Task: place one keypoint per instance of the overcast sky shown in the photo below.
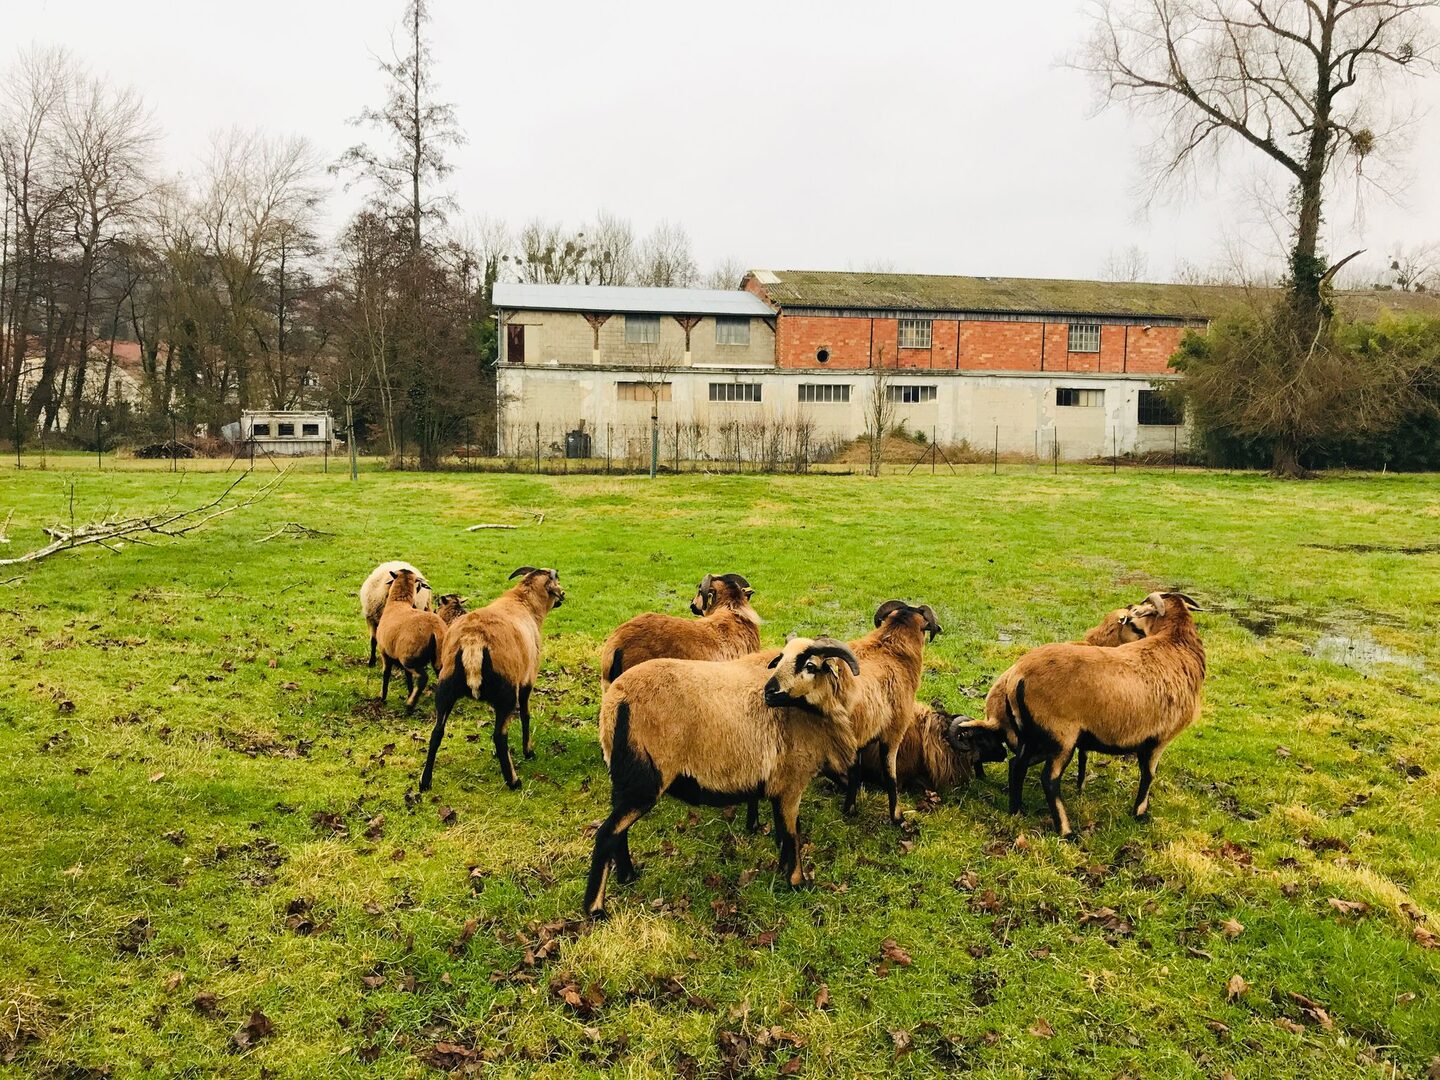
(934, 137)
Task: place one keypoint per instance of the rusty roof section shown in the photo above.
(860, 290)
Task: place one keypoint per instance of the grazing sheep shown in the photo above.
(373, 592)
(716, 733)
(728, 628)
(1116, 628)
(1132, 699)
(890, 659)
(937, 752)
(450, 607)
(408, 639)
(493, 655)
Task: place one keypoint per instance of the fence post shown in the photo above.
(677, 447)
(537, 446)
(1055, 452)
(99, 448)
(401, 453)
(326, 444)
(997, 450)
(252, 445)
(607, 449)
(1175, 450)
(1114, 451)
(174, 440)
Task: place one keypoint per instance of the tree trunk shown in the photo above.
(1285, 461)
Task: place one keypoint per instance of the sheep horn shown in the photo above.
(830, 647)
(885, 609)
(705, 582)
(1186, 600)
(932, 624)
(523, 570)
(1157, 601)
(736, 579)
(952, 732)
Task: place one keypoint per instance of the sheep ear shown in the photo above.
(749, 593)
(776, 662)
(522, 570)
(791, 636)
(393, 574)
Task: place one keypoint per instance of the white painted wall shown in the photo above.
(974, 406)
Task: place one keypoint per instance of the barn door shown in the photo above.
(515, 343)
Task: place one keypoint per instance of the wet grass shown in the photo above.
(208, 816)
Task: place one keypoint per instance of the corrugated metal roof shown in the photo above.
(933, 292)
(624, 298)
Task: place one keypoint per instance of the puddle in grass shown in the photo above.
(1359, 651)
(1372, 549)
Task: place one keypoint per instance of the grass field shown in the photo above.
(213, 862)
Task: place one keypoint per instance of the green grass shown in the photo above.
(195, 772)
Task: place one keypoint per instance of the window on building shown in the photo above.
(1085, 337)
(639, 391)
(734, 391)
(287, 430)
(309, 429)
(732, 330)
(1156, 411)
(824, 393)
(642, 329)
(309, 380)
(257, 430)
(1083, 399)
(914, 333)
(911, 395)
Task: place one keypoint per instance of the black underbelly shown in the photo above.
(1089, 743)
(687, 789)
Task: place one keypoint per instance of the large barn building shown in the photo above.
(1037, 366)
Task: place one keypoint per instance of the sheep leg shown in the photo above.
(421, 681)
(606, 851)
(409, 682)
(752, 816)
(447, 692)
(504, 709)
(1080, 770)
(1050, 782)
(1019, 765)
(372, 648)
(385, 679)
(852, 786)
(892, 783)
(625, 869)
(526, 745)
(787, 828)
(1149, 757)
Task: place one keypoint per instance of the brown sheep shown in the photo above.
(744, 730)
(728, 628)
(1132, 699)
(450, 607)
(493, 655)
(936, 754)
(408, 638)
(890, 660)
(377, 586)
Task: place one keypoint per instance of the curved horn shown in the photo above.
(523, 570)
(736, 579)
(932, 624)
(1186, 600)
(952, 732)
(887, 607)
(830, 647)
(705, 582)
(1157, 601)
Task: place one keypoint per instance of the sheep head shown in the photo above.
(405, 585)
(899, 608)
(1117, 628)
(809, 673)
(542, 580)
(450, 606)
(1147, 615)
(717, 589)
(977, 745)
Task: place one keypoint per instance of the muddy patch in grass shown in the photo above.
(1380, 549)
(1359, 650)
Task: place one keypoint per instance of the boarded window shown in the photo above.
(1083, 399)
(731, 391)
(911, 395)
(824, 393)
(732, 330)
(639, 391)
(515, 343)
(309, 429)
(1085, 337)
(257, 430)
(642, 329)
(1156, 411)
(914, 333)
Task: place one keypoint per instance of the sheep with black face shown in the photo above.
(721, 733)
(937, 753)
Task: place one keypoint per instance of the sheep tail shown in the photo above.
(478, 670)
(1017, 716)
(617, 665)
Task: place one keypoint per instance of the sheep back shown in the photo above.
(377, 586)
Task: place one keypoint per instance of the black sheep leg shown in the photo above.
(1019, 765)
(385, 679)
(787, 834)
(1149, 757)
(892, 783)
(372, 648)
(1050, 782)
(625, 869)
(447, 692)
(421, 681)
(752, 816)
(852, 786)
(1080, 770)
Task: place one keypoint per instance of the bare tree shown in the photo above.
(549, 254)
(666, 259)
(610, 249)
(726, 274)
(1414, 268)
(1303, 84)
(653, 372)
(879, 411)
(416, 127)
(1126, 264)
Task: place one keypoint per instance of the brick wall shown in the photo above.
(971, 345)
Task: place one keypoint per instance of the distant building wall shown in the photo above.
(567, 337)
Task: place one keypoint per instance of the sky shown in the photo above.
(930, 137)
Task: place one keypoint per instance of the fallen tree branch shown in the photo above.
(292, 528)
(539, 517)
(169, 523)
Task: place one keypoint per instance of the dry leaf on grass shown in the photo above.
(1232, 929)
(1236, 987)
(894, 953)
(1349, 907)
(1041, 1029)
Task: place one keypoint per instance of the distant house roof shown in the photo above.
(621, 299)
(830, 289)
